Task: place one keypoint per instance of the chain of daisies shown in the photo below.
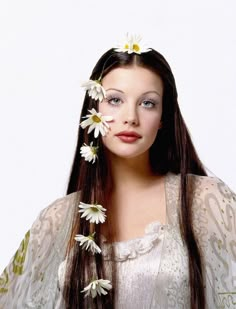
(98, 123)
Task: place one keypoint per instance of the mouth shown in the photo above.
(128, 136)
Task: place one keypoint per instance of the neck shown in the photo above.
(128, 173)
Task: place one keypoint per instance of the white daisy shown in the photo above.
(95, 89)
(97, 287)
(96, 121)
(88, 243)
(92, 212)
(89, 153)
(132, 44)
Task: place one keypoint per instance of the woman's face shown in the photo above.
(134, 99)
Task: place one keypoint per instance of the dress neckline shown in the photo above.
(150, 228)
(120, 251)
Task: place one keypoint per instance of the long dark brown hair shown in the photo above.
(172, 151)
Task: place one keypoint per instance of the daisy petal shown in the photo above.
(132, 44)
(94, 213)
(88, 243)
(89, 153)
(97, 287)
(97, 122)
(95, 89)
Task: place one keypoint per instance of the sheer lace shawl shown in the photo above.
(31, 278)
(37, 285)
(214, 210)
(214, 221)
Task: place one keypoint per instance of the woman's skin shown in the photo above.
(134, 99)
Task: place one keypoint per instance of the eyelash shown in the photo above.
(111, 99)
(153, 103)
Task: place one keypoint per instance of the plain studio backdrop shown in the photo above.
(48, 48)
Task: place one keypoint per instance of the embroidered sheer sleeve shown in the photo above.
(30, 279)
(215, 227)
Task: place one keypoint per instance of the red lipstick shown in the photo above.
(128, 136)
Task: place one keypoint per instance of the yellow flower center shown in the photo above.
(126, 46)
(94, 150)
(96, 119)
(94, 209)
(136, 47)
(91, 237)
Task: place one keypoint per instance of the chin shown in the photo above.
(129, 155)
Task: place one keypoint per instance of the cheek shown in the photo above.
(151, 130)
(107, 110)
(152, 134)
(101, 107)
(152, 124)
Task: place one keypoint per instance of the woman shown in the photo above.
(142, 226)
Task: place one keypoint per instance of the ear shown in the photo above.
(160, 125)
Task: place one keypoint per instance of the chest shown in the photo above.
(131, 213)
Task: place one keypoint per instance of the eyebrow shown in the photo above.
(147, 92)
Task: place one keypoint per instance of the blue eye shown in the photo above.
(148, 104)
(114, 100)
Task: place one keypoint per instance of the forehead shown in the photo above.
(133, 77)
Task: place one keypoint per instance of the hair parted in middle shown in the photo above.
(172, 151)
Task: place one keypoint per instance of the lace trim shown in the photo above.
(133, 248)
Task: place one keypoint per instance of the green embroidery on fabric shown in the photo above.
(41, 276)
(17, 264)
(227, 299)
(4, 281)
(19, 257)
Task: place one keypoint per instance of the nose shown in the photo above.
(130, 115)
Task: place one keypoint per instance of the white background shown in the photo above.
(47, 48)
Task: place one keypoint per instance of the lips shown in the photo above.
(129, 133)
(128, 136)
